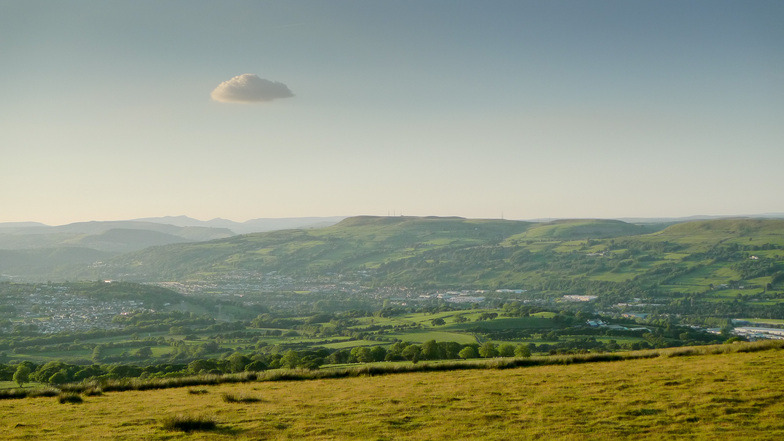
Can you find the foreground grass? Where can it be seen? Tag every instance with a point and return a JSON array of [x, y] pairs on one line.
[[725, 396]]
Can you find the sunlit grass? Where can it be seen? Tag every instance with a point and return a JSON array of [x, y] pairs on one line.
[[426, 335], [719, 397]]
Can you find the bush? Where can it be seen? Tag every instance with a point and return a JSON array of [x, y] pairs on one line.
[[69, 397], [10, 394], [189, 423], [93, 392], [43, 392], [234, 398], [197, 391]]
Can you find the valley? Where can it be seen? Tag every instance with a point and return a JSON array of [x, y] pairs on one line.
[[391, 295]]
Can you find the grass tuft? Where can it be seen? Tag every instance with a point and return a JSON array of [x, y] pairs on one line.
[[93, 392], [197, 391], [238, 398], [44, 392], [189, 423], [69, 397]]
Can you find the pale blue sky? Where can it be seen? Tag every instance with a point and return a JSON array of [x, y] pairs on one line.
[[469, 108]]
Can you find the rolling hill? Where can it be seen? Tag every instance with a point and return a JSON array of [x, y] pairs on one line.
[[580, 256], [42, 264], [30, 251], [705, 264], [353, 244]]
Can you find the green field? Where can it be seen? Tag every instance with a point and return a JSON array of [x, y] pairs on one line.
[[440, 336], [764, 321], [13, 385], [708, 397]]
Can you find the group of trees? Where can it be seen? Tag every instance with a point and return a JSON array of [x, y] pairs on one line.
[[57, 372], [429, 350]]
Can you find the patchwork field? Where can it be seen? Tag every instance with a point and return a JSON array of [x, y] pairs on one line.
[[726, 396]]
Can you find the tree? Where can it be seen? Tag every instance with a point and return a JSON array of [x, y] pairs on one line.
[[22, 375], [338, 357], [98, 353], [58, 378], [488, 350], [395, 352], [378, 353], [237, 362], [361, 354], [144, 352], [430, 350], [124, 371], [202, 366], [310, 362], [468, 352], [255, 366], [290, 359], [522, 351], [450, 349], [506, 350], [411, 353], [438, 322], [45, 372], [88, 372]]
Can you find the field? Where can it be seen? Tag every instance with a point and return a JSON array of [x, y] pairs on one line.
[[726, 396]]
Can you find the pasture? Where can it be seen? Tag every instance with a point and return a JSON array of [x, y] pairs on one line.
[[724, 396]]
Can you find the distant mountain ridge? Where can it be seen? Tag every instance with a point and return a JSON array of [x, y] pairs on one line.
[[32, 249], [475, 253], [578, 255], [110, 236], [252, 226]]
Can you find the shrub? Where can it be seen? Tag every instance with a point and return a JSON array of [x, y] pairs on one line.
[[9, 394], [234, 398], [189, 423], [69, 397], [197, 391], [44, 392], [93, 392]]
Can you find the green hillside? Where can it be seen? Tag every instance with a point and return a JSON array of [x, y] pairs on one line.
[[354, 244], [733, 266], [51, 263], [124, 240], [585, 229], [39, 252], [673, 396], [741, 232]]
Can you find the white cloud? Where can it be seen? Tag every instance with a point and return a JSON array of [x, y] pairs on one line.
[[249, 88]]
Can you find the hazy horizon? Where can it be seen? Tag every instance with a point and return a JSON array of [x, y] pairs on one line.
[[506, 108], [159, 219]]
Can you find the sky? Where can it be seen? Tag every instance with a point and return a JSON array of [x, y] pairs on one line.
[[518, 109]]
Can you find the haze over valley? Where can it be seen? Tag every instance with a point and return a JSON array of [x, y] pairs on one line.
[[507, 219]]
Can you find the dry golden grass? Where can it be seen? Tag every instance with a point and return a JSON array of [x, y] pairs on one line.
[[725, 396]]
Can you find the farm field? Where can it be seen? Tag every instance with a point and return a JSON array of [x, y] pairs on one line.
[[726, 396]]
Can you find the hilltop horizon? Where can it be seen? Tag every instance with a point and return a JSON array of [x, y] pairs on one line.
[[529, 110], [184, 220]]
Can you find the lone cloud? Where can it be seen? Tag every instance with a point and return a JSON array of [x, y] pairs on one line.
[[249, 88]]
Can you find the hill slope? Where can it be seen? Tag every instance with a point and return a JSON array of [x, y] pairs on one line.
[[39, 252], [51, 263], [351, 245], [693, 265], [575, 229], [729, 396]]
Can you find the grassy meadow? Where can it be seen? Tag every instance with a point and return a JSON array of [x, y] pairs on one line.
[[724, 396]]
